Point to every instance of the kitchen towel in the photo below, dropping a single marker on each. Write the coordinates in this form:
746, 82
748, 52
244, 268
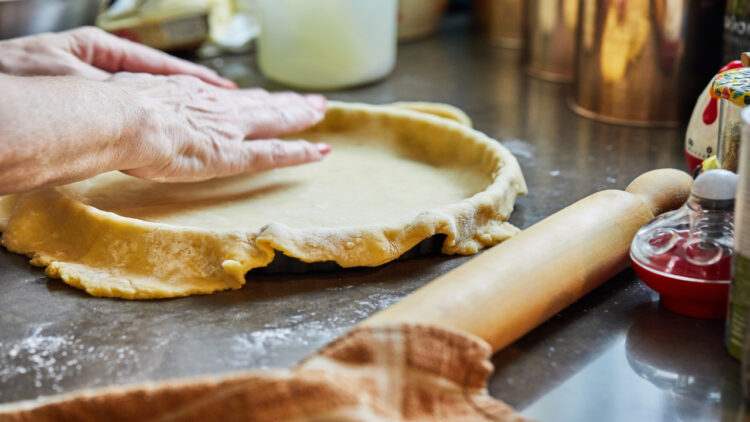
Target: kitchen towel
383, 373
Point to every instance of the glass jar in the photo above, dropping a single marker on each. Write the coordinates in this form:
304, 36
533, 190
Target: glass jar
686, 254
327, 44
730, 127
733, 89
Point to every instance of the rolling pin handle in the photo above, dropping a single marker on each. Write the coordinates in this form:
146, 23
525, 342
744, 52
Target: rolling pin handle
662, 190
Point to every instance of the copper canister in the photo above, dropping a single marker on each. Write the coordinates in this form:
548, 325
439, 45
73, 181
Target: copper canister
549, 46
640, 62
501, 21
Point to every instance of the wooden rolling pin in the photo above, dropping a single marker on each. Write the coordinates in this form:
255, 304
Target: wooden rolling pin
508, 290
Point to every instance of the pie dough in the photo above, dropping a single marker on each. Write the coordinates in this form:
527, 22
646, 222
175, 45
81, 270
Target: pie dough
438, 109
394, 178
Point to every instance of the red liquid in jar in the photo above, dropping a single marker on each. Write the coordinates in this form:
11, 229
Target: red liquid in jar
675, 262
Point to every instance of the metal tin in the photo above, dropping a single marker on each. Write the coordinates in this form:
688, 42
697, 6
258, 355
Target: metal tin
501, 21
640, 62
549, 47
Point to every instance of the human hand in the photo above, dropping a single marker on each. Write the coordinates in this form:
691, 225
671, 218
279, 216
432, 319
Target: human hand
92, 53
193, 131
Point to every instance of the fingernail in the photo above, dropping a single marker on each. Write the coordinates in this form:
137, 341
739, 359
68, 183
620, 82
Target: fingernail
323, 148
229, 83
317, 101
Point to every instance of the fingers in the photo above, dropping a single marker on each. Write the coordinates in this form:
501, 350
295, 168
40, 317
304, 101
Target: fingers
18, 59
113, 54
204, 127
89, 72
235, 158
266, 115
262, 155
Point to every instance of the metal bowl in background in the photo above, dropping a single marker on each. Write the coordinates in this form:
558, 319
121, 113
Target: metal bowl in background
26, 17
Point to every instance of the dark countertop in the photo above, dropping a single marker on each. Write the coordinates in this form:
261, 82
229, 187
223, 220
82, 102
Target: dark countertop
615, 355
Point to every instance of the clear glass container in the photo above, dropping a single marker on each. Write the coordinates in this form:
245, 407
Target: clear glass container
686, 254
733, 88
327, 44
730, 129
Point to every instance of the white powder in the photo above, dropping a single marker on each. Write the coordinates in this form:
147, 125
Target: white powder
45, 359
522, 150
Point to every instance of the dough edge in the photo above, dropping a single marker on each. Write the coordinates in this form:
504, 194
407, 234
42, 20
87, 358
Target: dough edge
113, 256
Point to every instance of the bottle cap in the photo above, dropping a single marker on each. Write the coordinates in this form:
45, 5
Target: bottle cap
718, 184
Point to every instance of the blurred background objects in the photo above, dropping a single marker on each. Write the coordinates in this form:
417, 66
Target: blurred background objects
26, 17
183, 24
638, 62
501, 21
328, 44
549, 43
419, 18
736, 29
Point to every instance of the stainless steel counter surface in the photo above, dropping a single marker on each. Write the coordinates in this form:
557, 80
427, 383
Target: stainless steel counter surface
616, 355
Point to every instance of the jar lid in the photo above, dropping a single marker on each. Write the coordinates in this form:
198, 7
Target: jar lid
733, 85
717, 185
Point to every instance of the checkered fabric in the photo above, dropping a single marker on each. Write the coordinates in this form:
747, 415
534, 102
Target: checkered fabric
385, 373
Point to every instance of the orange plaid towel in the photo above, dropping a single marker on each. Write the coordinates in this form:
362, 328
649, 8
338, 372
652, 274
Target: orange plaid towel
387, 373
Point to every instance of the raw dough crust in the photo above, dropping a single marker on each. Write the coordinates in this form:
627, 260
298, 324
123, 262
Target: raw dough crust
395, 177
438, 109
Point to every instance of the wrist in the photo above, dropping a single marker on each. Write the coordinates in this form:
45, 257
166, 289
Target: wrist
10, 57
139, 125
